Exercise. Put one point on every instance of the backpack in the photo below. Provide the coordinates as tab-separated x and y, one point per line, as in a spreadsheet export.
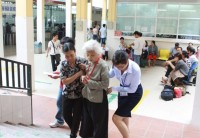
168	93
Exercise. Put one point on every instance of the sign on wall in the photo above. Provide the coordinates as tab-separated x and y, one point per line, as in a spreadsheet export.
8	8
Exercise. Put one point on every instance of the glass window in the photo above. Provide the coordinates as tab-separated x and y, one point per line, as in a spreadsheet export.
168	10
146	10
189	11
145	25
159	18
167	26
125	24
125	9
189	27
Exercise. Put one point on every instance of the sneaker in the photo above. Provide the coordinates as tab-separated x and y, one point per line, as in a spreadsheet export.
55	124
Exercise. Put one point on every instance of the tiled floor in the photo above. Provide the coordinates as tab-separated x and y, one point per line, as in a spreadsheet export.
44	110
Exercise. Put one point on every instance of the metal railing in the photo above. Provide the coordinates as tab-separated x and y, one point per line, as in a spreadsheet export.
8	77
16	75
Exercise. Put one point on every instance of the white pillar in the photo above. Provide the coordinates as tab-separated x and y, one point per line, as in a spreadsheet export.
1	32
24	34
68	22
104	12
81	25
89	14
196	106
41	23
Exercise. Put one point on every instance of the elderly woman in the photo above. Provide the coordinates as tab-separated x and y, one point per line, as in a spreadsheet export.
129	92
95	103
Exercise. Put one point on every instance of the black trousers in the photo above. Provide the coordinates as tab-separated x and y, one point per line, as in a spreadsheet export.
105	57
169	68
54	63
72	113
95	119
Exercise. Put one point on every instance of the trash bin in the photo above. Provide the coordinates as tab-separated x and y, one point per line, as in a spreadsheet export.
37	47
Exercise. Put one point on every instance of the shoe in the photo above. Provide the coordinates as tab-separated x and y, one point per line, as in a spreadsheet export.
56	124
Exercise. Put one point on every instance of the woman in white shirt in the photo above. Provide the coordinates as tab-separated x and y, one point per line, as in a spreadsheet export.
54	49
129	92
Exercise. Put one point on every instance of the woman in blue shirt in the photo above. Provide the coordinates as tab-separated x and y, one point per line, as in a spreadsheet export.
129	92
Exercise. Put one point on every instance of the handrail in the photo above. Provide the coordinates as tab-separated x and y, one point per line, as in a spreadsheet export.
25	71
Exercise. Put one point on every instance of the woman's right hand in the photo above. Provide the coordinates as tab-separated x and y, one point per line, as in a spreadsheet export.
109	90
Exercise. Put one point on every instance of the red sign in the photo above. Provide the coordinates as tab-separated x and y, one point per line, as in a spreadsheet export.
118	33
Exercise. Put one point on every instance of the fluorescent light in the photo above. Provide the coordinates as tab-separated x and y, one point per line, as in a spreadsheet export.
187	10
161	10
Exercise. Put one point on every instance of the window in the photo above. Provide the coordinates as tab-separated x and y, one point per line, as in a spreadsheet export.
156	19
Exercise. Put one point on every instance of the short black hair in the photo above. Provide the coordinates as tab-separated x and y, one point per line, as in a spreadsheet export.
66	39
121	38
54	34
185	54
68	47
104	25
120	57
176	44
192	50
136	33
179	55
154	42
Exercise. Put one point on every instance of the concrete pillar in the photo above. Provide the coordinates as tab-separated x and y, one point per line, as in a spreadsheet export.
1	32
81	25
24	34
89	14
111	25
68	22
41	23
104	12
196	106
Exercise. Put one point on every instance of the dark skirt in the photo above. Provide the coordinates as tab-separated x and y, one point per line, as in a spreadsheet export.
127	103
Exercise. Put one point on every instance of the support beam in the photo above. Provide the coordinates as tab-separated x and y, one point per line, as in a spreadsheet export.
41	23
196	106
104	12
81	25
89	14
1	32
68	25
24	34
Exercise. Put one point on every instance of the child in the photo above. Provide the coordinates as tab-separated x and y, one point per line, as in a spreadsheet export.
104	51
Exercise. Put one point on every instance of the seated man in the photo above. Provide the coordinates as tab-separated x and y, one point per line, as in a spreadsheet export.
193	61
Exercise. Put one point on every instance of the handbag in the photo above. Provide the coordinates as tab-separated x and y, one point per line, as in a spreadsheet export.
57	56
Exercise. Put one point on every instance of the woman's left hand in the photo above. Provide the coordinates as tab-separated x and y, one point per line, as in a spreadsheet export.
109	90
82	66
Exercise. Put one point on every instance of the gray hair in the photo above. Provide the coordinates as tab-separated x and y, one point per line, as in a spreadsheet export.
92	45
